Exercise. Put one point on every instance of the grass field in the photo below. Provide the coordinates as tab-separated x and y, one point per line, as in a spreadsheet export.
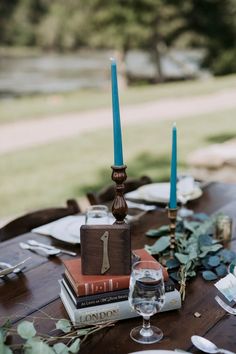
39	107
50	174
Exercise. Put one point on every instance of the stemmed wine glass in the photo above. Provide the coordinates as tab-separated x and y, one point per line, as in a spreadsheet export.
146	297
185	188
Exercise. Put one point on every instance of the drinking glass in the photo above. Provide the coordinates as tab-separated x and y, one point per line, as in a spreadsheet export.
97	215
146	297
185	188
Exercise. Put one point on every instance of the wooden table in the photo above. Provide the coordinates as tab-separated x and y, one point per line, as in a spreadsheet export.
38	288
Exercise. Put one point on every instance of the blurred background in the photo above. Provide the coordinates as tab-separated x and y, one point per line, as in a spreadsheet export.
176	62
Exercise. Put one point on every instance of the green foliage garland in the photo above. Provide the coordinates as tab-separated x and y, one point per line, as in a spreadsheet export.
196	249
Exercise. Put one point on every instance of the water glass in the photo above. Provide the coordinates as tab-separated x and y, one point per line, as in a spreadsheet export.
97	215
146	297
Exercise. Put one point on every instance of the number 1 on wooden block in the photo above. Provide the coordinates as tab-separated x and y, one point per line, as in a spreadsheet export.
105	258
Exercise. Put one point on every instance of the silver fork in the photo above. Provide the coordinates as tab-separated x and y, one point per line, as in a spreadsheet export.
224	306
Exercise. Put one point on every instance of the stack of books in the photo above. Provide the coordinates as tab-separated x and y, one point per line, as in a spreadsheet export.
91	299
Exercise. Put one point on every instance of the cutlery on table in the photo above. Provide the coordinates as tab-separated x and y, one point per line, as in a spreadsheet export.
49	247
207	346
42	251
224	306
7	268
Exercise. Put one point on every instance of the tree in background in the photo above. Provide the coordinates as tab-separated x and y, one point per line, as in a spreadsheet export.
152	25
213	23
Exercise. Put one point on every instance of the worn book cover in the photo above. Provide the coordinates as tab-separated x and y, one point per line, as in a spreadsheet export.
93	284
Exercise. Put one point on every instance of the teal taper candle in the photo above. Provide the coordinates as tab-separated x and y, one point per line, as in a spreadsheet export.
118	153
173	175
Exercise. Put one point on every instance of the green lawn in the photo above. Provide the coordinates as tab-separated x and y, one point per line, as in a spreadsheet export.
16	109
50	174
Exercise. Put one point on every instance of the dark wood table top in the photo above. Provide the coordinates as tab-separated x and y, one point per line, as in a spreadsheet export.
37	289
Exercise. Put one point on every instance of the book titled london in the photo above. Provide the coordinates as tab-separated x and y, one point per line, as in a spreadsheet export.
111	312
94	284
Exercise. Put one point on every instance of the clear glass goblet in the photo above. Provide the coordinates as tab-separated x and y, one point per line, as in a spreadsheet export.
185	189
146	297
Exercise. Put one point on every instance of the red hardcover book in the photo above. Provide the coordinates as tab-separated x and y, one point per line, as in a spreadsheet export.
94	284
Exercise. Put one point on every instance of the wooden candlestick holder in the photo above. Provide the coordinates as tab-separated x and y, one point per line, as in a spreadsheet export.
172	215
119	206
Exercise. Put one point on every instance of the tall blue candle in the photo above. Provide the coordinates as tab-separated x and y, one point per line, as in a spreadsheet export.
118	153
173	175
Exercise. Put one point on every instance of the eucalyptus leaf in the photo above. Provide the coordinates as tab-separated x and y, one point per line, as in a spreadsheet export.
209	275
180	236
214	261
207	249
60	348
182	258
191	225
191	273
221	270
1	342
233	262
6	350
175	276
37	346
227	256
172	263
205	227
83	332
64	325
193	254
75	346
4	329
205	240
188	266
159	246
204	262
163	230
26	330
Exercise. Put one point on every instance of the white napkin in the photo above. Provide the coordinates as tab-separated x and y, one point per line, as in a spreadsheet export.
227	287
66	229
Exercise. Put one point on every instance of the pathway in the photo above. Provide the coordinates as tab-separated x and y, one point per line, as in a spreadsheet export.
25	134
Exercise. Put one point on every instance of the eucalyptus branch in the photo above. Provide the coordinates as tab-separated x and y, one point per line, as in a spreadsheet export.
68	341
196	250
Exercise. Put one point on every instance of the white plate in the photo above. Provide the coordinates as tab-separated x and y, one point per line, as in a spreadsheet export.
159	193
158	351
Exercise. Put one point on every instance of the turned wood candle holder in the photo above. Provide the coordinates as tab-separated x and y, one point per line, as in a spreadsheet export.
172	215
119	206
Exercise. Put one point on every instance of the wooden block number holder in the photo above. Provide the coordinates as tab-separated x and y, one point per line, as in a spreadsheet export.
106	249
